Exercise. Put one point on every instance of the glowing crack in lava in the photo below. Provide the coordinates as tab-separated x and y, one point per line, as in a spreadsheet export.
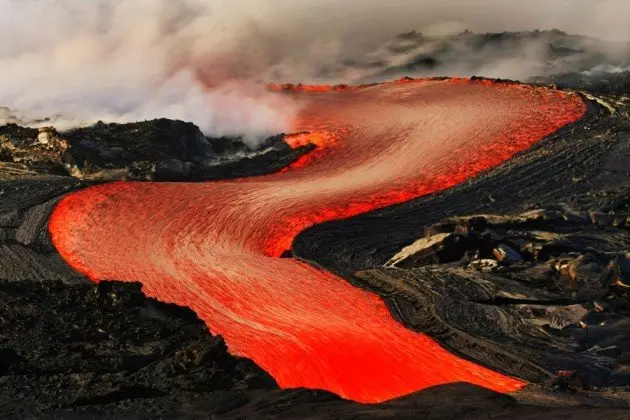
213	246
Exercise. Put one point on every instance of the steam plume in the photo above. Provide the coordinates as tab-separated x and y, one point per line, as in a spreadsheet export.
204	60
79	62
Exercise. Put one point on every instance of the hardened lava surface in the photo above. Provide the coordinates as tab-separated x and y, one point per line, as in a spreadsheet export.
214	246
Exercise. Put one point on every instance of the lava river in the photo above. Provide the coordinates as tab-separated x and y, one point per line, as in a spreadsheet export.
214	246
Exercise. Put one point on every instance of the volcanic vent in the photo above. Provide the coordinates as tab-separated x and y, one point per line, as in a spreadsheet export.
212	246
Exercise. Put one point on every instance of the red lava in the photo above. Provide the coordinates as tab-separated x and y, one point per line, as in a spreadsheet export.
212	246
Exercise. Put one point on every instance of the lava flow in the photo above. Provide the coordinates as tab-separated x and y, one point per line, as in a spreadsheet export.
213	246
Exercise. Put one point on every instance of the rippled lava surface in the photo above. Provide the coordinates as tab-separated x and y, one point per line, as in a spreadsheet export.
214	246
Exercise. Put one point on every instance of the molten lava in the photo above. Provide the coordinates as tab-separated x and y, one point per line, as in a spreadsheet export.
212	246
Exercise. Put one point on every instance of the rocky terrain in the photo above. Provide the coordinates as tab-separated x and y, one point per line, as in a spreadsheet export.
614	84
70	348
524	269
552	283
158	150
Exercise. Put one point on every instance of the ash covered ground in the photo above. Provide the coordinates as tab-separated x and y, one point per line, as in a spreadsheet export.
524	269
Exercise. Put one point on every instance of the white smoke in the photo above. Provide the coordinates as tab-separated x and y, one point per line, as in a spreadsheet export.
205	61
79	62
606	68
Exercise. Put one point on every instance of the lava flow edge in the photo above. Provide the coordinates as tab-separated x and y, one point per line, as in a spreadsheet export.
202	245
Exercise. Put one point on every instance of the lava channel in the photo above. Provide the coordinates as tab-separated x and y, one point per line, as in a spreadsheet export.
213	246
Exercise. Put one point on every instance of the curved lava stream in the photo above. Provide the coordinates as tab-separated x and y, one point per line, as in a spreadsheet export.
213	246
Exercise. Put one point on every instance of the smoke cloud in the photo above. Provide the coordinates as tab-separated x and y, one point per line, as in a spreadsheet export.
79	62
205	61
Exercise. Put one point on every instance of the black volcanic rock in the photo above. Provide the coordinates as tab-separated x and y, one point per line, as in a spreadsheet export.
539	309
614	82
41	151
156	150
110	145
75	346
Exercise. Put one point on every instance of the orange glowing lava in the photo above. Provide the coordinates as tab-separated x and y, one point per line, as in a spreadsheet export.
212	246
